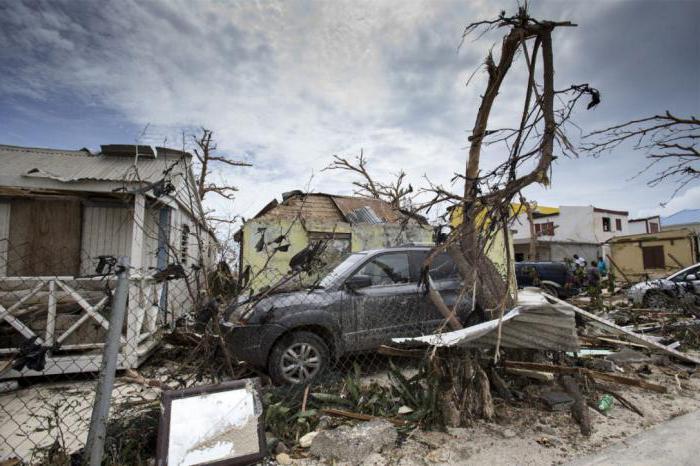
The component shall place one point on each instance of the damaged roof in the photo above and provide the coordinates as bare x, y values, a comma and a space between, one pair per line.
111, 170
332, 207
66, 166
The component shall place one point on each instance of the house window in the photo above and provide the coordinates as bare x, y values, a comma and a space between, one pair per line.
544, 229
653, 257
184, 243
606, 224
618, 224
653, 227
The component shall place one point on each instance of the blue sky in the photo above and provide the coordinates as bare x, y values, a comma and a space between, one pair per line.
285, 85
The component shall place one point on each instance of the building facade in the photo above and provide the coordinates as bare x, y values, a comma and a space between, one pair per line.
569, 230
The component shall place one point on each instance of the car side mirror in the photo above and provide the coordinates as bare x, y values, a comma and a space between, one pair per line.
691, 278
358, 281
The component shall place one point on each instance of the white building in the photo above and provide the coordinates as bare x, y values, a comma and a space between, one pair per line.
567, 230
644, 225
60, 213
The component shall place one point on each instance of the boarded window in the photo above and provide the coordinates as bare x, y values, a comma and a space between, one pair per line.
618, 224
44, 238
653, 257
653, 227
606, 224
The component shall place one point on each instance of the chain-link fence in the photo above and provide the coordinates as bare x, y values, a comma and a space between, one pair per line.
54, 326
316, 339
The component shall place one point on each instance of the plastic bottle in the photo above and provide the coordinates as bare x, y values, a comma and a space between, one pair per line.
605, 403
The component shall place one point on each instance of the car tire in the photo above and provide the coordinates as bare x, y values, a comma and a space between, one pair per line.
298, 358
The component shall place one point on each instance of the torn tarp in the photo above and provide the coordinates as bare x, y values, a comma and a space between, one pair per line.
536, 326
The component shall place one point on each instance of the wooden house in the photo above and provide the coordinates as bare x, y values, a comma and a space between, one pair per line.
63, 216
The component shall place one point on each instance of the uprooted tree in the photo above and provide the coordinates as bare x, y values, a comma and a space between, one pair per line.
669, 141
484, 204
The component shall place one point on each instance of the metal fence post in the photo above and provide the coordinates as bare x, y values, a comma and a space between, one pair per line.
105, 382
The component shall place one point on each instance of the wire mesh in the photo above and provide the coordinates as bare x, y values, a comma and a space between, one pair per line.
312, 335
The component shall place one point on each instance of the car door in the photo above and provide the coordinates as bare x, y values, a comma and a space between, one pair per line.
446, 279
383, 310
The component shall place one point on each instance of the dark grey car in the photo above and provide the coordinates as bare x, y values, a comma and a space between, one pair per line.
369, 298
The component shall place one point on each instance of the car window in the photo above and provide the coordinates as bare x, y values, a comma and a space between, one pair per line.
681, 277
387, 269
443, 268
342, 268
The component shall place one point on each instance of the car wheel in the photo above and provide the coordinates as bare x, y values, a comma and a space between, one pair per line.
298, 358
550, 290
655, 300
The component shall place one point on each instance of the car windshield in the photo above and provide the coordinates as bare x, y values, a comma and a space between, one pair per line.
341, 269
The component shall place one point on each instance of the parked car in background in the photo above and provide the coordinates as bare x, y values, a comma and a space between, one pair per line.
555, 278
367, 299
680, 288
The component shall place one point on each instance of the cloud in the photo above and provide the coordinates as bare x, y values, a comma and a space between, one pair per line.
286, 84
690, 199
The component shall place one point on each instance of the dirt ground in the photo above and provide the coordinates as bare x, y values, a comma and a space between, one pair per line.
525, 433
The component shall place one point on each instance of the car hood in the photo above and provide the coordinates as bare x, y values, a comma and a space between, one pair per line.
255, 309
658, 284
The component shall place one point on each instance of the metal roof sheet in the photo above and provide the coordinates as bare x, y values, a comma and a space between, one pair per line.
32, 168
683, 217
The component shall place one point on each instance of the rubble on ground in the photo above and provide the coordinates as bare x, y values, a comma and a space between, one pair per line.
354, 444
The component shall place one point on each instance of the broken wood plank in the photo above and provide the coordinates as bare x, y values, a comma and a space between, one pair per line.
591, 373
533, 374
610, 326
361, 417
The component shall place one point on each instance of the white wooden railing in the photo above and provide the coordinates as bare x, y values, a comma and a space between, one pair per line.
140, 335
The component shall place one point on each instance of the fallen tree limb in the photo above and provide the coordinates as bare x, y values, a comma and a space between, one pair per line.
362, 417
591, 373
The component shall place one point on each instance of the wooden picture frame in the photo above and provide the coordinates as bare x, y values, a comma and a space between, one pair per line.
170, 396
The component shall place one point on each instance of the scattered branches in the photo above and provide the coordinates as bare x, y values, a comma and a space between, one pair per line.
395, 192
204, 152
668, 141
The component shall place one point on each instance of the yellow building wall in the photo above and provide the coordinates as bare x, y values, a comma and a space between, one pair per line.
276, 265
627, 255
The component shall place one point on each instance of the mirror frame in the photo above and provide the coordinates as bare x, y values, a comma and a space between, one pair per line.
164, 425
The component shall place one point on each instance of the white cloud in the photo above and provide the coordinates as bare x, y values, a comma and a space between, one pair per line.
287, 84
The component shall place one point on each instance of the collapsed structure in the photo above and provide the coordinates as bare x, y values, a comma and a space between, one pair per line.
347, 224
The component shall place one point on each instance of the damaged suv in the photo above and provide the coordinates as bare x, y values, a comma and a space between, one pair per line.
367, 299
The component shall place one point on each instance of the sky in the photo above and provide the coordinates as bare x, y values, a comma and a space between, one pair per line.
287, 84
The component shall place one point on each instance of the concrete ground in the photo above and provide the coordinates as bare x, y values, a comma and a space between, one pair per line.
672, 443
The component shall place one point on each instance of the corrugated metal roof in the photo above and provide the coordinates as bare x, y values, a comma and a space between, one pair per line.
544, 326
383, 210
363, 215
80, 165
32, 168
683, 217
533, 324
